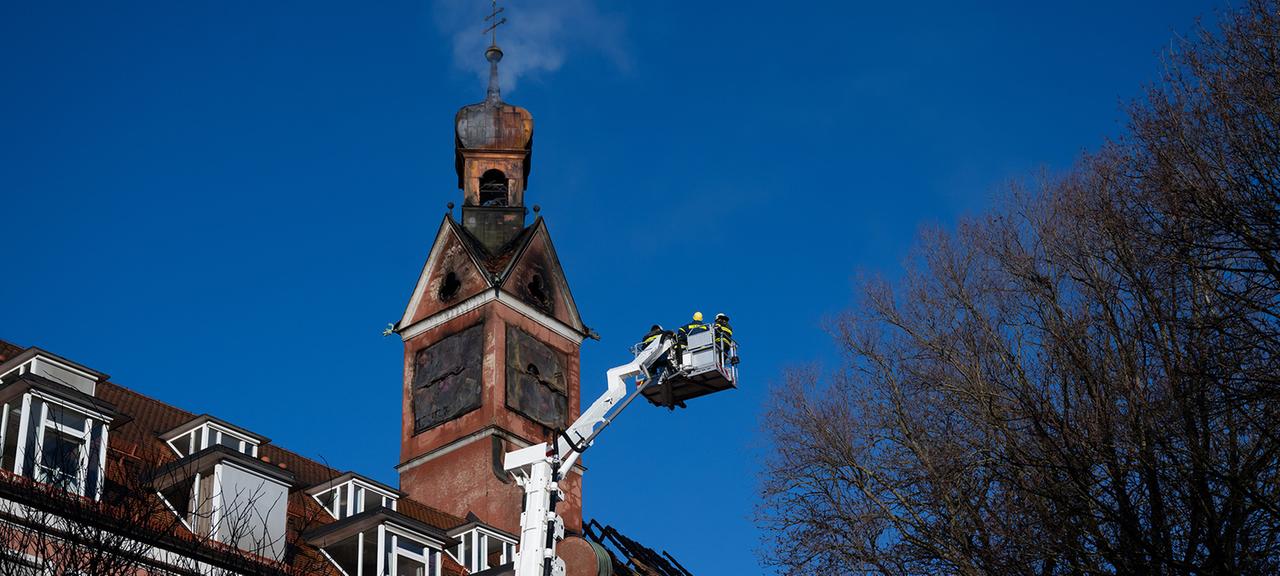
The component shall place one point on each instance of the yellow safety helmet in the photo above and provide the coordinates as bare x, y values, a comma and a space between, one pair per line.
697, 316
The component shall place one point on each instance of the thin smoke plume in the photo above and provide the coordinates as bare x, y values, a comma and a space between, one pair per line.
538, 37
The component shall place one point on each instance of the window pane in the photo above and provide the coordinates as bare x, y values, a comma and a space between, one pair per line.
182, 444
389, 550
10, 449
30, 456
229, 441
406, 566
410, 546
326, 500
346, 554
341, 511
370, 567
198, 438
359, 500
66, 418
60, 460
91, 478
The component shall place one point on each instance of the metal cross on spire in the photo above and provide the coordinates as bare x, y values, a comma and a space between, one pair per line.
494, 21
493, 54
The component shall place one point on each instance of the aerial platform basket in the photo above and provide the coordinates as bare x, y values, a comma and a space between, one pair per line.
706, 367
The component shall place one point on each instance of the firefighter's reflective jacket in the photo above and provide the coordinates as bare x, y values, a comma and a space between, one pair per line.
693, 328
653, 334
724, 333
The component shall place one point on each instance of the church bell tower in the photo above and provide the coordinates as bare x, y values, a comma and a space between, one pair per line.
491, 333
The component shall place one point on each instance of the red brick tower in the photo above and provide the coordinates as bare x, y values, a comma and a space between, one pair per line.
491, 333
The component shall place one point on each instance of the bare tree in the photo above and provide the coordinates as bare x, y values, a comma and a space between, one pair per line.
1083, 382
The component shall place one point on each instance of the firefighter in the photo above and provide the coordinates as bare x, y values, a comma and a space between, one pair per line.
682, 336
694, 326
724, 338
654, 333
659, 367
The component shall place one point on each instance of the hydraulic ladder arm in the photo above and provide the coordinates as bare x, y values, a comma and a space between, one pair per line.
539, 468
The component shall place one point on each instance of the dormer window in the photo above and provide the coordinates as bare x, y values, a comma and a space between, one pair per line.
205, 431
53, 368
381, 542
223, 494
350, 494
63, 448
52, 429
481, 547
55, 442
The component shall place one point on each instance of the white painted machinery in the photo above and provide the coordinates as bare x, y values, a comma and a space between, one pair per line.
697, 371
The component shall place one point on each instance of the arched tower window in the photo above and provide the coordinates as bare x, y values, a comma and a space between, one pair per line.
493, 188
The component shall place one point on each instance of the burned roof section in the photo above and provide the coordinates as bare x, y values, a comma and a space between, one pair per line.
496, 261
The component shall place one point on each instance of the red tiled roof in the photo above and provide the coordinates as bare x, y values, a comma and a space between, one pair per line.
151, 418
450, 567
136, 445
8, 350
423, 513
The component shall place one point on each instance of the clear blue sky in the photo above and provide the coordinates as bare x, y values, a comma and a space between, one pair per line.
222, 203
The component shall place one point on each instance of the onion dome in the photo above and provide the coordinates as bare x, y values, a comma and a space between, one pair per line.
494, 124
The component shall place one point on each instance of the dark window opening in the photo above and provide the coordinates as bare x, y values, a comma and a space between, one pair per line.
538, 293
493, 188
179, 496
449, 287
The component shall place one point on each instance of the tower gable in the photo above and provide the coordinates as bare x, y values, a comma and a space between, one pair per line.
536, 279
450, 276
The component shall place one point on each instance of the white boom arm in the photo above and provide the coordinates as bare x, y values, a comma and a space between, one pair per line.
539, 469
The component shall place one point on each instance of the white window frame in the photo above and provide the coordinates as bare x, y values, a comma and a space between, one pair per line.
211, 434
4, 429
32, 363
473, 549
388, 548
430, 556
43, 425
81, 437
346, 492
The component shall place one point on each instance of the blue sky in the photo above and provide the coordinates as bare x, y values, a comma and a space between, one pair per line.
223, 203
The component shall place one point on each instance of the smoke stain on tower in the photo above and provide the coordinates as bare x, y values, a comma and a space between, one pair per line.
535, 379
491, 333
446, 378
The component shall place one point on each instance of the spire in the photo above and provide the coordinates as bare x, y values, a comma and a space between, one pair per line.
493, 54
492, 145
